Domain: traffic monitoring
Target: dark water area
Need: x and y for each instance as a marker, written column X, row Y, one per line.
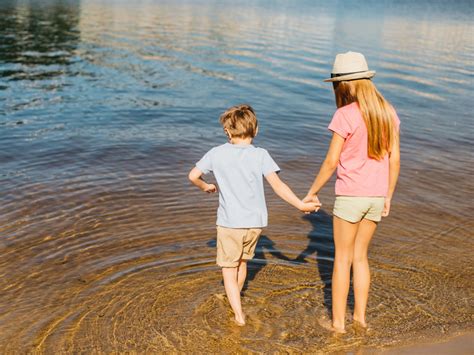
column 106, row 105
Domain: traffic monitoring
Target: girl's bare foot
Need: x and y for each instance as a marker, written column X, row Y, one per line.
column 326, row 324
column 360, row 324
column 361, row 328
column 338, row 330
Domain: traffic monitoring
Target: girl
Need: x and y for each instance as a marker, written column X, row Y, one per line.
column 365, row 150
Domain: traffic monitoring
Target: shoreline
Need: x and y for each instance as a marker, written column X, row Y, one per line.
column 460, row 343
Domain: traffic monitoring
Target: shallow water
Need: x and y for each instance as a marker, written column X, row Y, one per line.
column 105, row 106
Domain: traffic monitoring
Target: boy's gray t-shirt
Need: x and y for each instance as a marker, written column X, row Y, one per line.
column 239, row 171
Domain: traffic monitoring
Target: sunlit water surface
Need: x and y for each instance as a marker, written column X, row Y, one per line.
column 105, row 106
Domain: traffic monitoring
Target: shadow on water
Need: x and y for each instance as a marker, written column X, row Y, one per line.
column 265, row 244
column 321, row 243
column 259, row 261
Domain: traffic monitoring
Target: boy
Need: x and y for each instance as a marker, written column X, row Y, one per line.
column 239, row 168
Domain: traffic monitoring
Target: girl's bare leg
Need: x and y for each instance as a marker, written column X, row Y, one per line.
column 360, row 269
column 233, row 292
column 344, row 238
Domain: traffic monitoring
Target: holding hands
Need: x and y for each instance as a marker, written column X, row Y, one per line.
column 312, row 198
column 310, row 204
column 285, row 193
column 307, row 205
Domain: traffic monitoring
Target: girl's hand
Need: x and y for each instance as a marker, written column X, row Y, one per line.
column 313, row 198
column 386, row 208
column 308, row 207
column 210, row 188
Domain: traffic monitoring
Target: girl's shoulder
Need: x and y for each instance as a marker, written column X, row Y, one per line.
column 349, row 113
column 352, row 108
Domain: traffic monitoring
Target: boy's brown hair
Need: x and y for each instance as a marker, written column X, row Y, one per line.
column 240, row 121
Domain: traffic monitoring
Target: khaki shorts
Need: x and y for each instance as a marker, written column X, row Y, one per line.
column 234, row 244
column 353, row 208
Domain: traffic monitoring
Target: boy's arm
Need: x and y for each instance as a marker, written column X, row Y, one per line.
column 285, row 193
column 195, row 177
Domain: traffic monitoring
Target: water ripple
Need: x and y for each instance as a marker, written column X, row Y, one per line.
column 105, row 107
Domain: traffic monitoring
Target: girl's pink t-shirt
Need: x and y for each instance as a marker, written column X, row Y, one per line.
column 357, row 174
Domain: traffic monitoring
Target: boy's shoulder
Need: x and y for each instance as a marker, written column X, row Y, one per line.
column 220, row 147
column 216, row 148
column 228, row 150
column 261, row 151
column 231, row 147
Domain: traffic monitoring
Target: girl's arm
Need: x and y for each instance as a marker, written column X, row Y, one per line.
column 393, row 172
column 328, row 167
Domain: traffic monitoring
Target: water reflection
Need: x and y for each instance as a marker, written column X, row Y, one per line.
column 106, row 105
column 38, row 34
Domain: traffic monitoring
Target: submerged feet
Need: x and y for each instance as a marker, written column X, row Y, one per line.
column 359, row 322
column 360, row 328
column 337, row 329
column 239, row 320
column 328, row 325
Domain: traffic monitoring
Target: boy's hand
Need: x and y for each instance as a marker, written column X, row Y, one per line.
column 210, row 188
column 308, row 207
column 195, row 177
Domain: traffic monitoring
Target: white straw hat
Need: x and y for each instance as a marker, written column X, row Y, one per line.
column 350, row 66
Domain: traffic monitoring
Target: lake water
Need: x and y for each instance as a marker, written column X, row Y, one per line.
column 104, row 108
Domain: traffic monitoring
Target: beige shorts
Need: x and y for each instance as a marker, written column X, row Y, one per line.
column 234, row 244
column 353, row 208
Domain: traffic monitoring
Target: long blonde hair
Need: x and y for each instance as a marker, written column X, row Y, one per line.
column 377, row 113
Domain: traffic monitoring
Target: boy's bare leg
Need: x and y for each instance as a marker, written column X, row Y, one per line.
column 242, row 273
column 233, row 292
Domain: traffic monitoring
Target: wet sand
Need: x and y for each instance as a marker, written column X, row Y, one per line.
column 99, row 285
column 459, row 345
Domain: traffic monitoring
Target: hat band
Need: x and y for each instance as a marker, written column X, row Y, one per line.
column 343, row 74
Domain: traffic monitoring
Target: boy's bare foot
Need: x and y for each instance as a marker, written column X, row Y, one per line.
column 221, row 296
column 239, row 321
